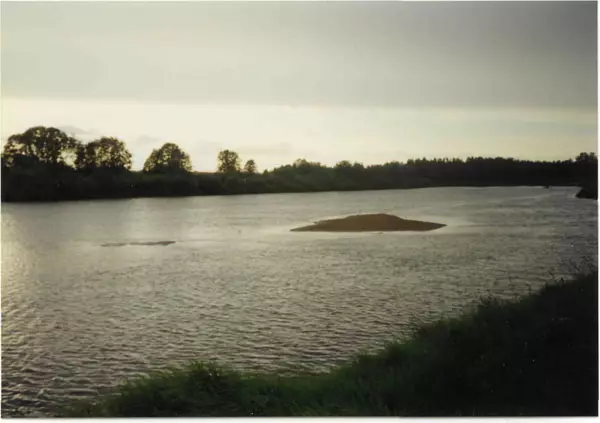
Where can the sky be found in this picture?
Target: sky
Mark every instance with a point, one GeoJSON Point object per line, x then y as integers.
{"type": "Point", "coordinates": [326, 81]}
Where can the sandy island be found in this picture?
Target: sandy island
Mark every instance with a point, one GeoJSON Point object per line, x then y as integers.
{"type": "Point", "coordinates": [369, 222]}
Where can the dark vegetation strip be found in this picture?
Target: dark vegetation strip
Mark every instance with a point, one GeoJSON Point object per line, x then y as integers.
{"type": "Point", "coordinates": [536, 356]}
{"type": "Point", "coordinates": [45, 164]}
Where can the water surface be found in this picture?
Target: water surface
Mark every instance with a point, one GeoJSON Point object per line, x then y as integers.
{"type": "Point", "coordinates": [87, 301]}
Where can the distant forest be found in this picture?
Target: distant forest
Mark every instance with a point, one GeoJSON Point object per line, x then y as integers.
{"type": "Point", "coordinates": [45, 164]}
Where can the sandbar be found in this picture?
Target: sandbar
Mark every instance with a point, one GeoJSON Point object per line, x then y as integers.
{"type": "Point", "coordinates": [378, 222]}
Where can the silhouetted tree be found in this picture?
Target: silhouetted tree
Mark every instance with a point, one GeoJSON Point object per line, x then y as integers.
{"type": "Point", "coordinates": [37, 166]}
{"type": "Point", "coordinates": [587, 173]}
{"type": "Point", "coordinates": [228, 162]}
{"type": "Point", "coordinates": [344, 168]}
{"type": "Point", "coordinates": [587, 158]}
{"type": "Point", "coordinates": [301, 163]}
{"type": "Point", "coordinates": [343, 164]}
{"type": "Point", "coordinates": [105, 153]}
{"type": "Point", "coordinates": [305, 166]}
{"type": "Point", "coordinates": [40, 144]}
{"type": "Point", "coordinates": [168, 158]}
{"type": "Point", "coordinates": [250, 167]}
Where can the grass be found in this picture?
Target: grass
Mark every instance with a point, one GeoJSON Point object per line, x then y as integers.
{"type": "Point", "coordinates": [536, 356]}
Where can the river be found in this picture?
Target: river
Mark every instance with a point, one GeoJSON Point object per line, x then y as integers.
{"type": "Point", "coordinates": [237, 286]}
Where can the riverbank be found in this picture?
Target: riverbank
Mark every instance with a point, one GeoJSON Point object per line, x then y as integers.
{"type": "Point", "coordinates": [589, 191]}
{"type": "Point", "coordinates": [45, 183]}
{"type": "Point", "coordinates": [536, 356]}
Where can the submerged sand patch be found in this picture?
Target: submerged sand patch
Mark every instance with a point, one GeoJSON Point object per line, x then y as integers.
{"type": "Point", "coordinates": [369, 222]}
{"type": "Point", "coordinates": [122, 244]}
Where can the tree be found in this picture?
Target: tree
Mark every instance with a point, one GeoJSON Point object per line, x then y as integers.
{"type": "Point", "coordinates": [228, 162]}
{"type": "Point", "coordinates": [393, 165]}
{"type": "Point", "coordinates": [250, 167]}
{"type": "Point", "coordinates": [105, 153]}
{"type": "Point", "coordinates": [40, 145]}
{"type": "Point", "coordinates": [301, 163]}
{"type": "Point", "coordinates": [358, 167]}
{"type": "Point", "coordinates": [586, 158]}
{"type": "Point", "coordinates": [168, 158]}
{"type": "Point", "coordinates": [343, 168]}
{"type": "Point", "coordinates": [344, 164]}
{"type": "Point", "coordinates": [305, 165]}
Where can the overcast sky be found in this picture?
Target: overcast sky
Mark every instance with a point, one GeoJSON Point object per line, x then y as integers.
{"type": "Point", "coordinates": [327, 81]}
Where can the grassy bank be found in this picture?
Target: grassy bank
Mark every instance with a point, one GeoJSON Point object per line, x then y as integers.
{"type": "Point", "coordinates": [532, 357]}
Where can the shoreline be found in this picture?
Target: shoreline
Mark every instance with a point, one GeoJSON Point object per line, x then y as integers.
{"type": "Point", "coordinates": [169, 196]}
{"type": "Point", "coordinates": [533, 356]}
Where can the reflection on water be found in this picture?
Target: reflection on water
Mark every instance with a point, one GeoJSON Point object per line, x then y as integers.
{"type": "Point", "coordinates": [235, 285]}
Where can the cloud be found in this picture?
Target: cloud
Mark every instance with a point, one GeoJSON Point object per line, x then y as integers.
{"type": "Point", "coordinates": [266, 149]}
{"type": "Point", "coordinates": [85, 135]}
{"type": "Point", "coordinates": [354, 54]}
{"type": "Point", "coordinates": [210, 145]}
{"type": "Point", "coordinates": [147, 140]}
{"type": "Point", "coordinates": [73, 129]}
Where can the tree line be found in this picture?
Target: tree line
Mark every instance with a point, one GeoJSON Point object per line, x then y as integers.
{"type": "Point", "coordinates": [46, 164]}
{"type": "Point", "coordinates": [52, 147]}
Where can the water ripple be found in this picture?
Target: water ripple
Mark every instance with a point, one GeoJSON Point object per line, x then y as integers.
{"type": "Point", "coordinates": [78, 319]}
